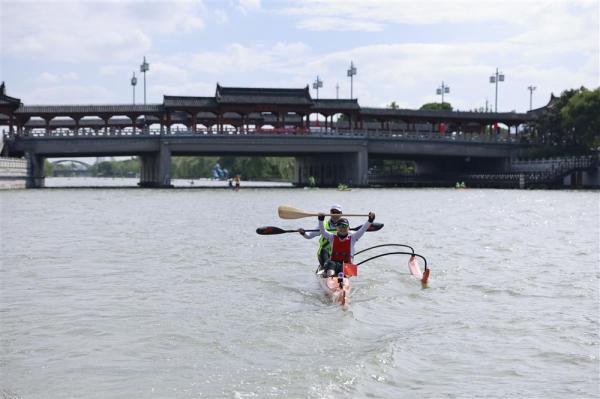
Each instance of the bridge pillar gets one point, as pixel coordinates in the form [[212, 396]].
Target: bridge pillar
[[329, 170], [360, 176], [35, 170], [155, 168]]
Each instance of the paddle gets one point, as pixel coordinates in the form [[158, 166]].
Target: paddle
[[271, 230], [289, 212]]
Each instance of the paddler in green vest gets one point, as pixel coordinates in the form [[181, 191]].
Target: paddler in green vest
[[324, 251]]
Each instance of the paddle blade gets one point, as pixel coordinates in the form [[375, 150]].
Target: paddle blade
[[375, 227], [350, 269], [269, 230], [289, 212]]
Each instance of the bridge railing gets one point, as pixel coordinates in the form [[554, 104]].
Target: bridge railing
[[295, 131]]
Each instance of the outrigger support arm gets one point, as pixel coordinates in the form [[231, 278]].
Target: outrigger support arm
[[386, 245], [394, 253]]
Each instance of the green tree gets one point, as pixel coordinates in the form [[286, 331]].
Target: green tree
[[393, 105], [581, 118], [48, 168], [437, 106], [550, 123]]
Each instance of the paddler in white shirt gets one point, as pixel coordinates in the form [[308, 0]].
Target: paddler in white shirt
[[342, 243]]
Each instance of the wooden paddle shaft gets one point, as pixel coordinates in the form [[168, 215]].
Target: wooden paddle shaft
[[289, 212]]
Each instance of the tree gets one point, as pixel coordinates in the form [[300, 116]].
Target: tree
[[393, 105], [581, 118], [437, 106], [550, 122]]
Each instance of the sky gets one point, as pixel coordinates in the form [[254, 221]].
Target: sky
[[85, 52]]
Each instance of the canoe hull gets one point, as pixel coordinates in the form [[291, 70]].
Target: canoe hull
[[332, 289]]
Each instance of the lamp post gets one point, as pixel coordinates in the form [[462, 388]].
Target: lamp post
[[441, 90], [145, 67], [133, 83], [351, 73], [337, 91], [531, 90], [498, 77], [316, 84]]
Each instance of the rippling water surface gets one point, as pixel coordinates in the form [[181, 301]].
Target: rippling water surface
[[132, 293]]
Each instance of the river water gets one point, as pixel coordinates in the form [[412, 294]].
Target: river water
[[135, 293]]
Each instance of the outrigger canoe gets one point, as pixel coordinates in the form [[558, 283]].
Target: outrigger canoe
[[338, 288]]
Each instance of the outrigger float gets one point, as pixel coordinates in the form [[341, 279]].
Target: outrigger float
[[337, 288]]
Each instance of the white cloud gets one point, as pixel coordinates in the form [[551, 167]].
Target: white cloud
[[553, 45], [221, 16], [248, 5], [419, 12], [91, 31], [76, 94], [48, 77]]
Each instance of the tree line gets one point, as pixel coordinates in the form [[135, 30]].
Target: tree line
[[249, 168]]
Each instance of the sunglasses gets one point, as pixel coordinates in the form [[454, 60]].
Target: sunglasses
[[335, 211]]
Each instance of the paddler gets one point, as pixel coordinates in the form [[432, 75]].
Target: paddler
[[342, 243], [324, 251]]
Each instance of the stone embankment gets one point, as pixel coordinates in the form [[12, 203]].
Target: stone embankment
[[13, 173]]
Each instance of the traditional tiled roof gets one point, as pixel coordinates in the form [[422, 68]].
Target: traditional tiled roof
[[88, 109], [8, 101], [414, 114], [335, 105], [189, 102], [244, 95]]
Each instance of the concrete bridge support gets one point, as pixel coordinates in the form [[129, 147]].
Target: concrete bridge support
[[333, 169], [35, 170], [155, 168]]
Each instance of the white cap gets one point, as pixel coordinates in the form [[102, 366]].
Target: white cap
[[336, 207]]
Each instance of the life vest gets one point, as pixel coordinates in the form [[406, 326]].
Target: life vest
[[341, 249], [324, 242]]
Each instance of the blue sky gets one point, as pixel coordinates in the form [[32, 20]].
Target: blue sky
[[84, 52]]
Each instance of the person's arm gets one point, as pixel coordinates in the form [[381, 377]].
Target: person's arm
[[324, 232], [356, 236], [309, 234]]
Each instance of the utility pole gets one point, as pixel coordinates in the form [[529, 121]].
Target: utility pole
[[498, 77], [316, 84], [145, 67], [351, 72], [531, 90], [133, 83], [441, 90]]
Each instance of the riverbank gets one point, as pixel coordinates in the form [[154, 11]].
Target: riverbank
[[13, 173], [123, 182]]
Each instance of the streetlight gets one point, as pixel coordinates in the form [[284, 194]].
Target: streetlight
[[145, 67], [337, 91], [351, 73], [498, 77], [133, 83], [531, 90], [316, 84], [441, 90]]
